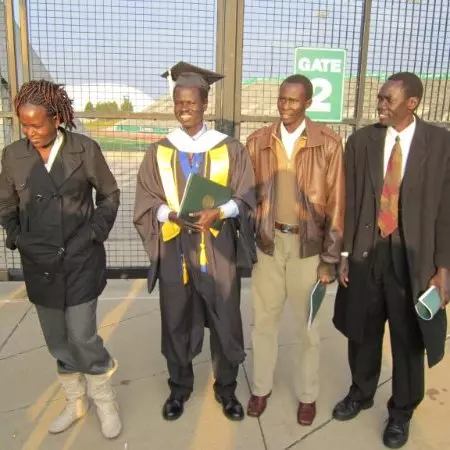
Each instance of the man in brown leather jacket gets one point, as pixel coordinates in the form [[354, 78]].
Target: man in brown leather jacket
[[299, 175]]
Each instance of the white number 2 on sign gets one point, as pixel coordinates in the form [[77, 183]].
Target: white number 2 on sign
[[322, 92]]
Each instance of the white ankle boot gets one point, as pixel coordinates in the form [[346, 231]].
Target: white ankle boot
[[74, 385], [101, 391]]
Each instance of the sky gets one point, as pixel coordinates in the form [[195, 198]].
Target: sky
[[132, 42]]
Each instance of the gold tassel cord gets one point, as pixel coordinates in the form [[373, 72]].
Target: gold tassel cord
[[184, 270], [203, 259]]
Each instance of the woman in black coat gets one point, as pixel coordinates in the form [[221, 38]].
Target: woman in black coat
[[48, 213]]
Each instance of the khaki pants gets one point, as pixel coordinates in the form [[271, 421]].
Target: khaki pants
[[275, 278]]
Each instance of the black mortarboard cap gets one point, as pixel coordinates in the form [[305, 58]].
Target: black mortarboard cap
[[188, 75]]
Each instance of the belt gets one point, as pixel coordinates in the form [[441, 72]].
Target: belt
[[284, 228]]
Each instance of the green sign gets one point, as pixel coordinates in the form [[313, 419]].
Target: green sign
[[325, 68], [142, 129]]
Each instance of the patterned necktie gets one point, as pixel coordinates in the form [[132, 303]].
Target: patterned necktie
[[388, 216]]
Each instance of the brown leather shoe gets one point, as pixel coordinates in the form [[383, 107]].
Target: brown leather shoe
[[306, 413], [257, 405]]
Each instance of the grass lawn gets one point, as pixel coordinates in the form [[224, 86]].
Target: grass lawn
[[121, 145], [99, 124]]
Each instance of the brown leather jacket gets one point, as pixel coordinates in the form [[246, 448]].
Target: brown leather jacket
[[320, 172]]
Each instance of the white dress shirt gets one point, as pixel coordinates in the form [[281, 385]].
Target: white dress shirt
[[54, 151], [229, 209], [406, 137], [202, 130], [289, 139]]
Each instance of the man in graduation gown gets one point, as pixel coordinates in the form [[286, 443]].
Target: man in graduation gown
[[196, 265]]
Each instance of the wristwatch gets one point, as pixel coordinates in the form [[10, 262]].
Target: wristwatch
[[345, 254], [222, 214]]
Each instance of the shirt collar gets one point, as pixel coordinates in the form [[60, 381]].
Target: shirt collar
[[59, 136], [58, 142], [55, 149], [405, 134], [295, 134], [200, 132]]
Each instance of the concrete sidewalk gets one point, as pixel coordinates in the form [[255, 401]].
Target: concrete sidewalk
[[130, 324]]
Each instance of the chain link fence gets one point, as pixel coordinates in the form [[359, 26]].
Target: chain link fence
[[110, 55]]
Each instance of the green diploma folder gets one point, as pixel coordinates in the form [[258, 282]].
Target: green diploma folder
[[201, 193], [433, 324], [428, 303], [317, 295]]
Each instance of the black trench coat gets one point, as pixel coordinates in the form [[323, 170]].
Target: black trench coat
[[52, 220], [425, 223]]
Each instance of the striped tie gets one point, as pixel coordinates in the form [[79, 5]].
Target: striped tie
[[388, 216]]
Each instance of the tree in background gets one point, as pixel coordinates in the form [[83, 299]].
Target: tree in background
[[89, 107], [126, 106], [107, 107]]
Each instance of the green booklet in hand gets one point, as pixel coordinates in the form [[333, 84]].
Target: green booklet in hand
[[428, 303], [201, 193], [317, 295]]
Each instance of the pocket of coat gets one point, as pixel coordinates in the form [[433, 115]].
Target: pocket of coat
[[80, 241], [35, 257]]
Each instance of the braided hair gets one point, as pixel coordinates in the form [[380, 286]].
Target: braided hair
[[53, 97]]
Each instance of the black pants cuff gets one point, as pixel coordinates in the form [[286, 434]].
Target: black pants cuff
[[226, 391]]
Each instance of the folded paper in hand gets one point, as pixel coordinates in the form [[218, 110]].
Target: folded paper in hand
[[317, 295], [428, 303]]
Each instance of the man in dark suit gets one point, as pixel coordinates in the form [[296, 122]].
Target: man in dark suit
[[397, 243]]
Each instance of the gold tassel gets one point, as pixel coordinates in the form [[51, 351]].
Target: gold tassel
[[203, 259], [184, 270]]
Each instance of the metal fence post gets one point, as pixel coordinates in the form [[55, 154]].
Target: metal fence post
[[362, 65], [24, 40], [230, 32], [12, 63]]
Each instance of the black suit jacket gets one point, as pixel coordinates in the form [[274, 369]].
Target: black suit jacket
[[424, 222]]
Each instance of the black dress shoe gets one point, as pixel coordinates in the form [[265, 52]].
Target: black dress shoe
[[174, 407], [396, 434], [231, 407], [348, 408]]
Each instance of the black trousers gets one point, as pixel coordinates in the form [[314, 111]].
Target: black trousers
[[390, 299], [181, 378]]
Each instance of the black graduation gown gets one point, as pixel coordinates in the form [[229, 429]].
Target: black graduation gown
[[212, 297]]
